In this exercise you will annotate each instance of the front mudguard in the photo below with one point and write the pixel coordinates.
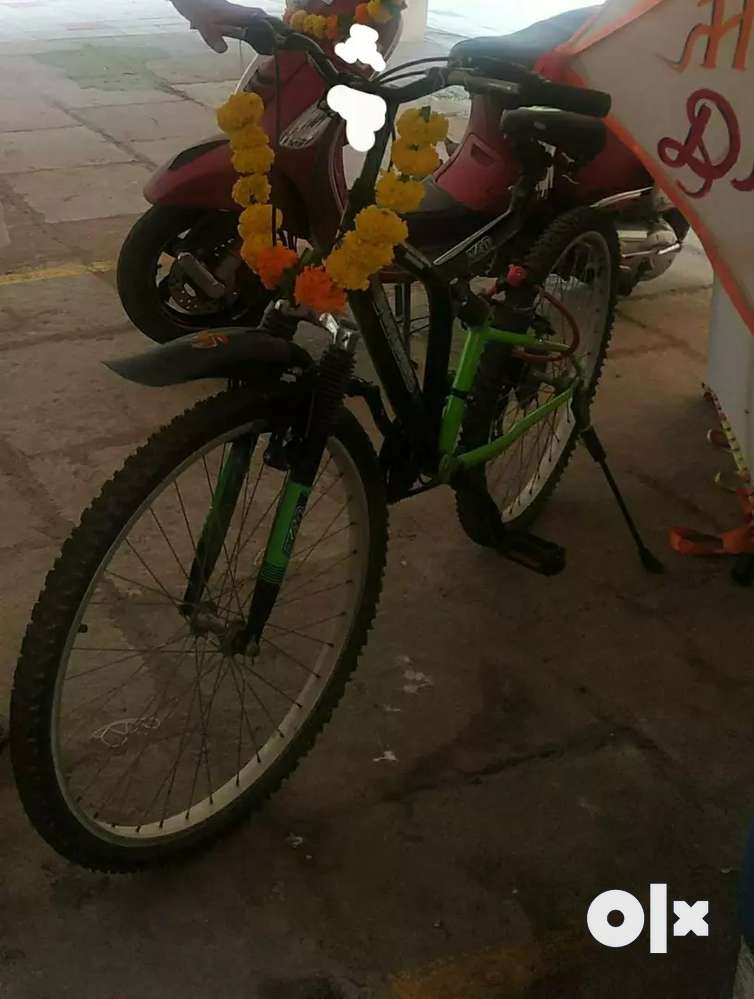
(233, 353)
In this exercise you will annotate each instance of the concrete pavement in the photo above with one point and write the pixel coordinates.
(567, 736)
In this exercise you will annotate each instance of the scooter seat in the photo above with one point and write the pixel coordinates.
(522, 47)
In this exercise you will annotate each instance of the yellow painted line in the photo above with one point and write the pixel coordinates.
(501, 972)
(56, 273)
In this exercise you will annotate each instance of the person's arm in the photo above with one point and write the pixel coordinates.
(213, 18)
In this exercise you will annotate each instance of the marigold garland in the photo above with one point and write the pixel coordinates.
(337, 27)
(317, 284)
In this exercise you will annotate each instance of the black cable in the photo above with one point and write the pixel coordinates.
(403, 76)
(405, 65)
(278, 129)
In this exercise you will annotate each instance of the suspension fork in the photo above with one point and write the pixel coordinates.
(230, 481)
(334, 376)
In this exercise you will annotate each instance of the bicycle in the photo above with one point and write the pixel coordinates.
(216, 595)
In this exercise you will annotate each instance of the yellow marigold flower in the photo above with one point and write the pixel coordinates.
(252, 246)
(345, 272)
(420, 128)
(379, 12)
(378, 225)
(369, 257)
(257, 160)
(315, 25)
(248, 137)
(398, 194)
(254, 220)
(239, 110)
(255, 187)
(298, 20)
(417, 163)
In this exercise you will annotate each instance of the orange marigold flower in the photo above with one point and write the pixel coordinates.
(316, 290)
(252, 246)
(272, 263)
(361, 14)
(333, 28)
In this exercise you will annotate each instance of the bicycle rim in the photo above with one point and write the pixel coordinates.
(166, 730)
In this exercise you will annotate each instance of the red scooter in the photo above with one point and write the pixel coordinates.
(180, 269)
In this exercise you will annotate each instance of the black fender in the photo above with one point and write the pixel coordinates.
(235, 352)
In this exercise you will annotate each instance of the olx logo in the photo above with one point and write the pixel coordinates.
(627, 927)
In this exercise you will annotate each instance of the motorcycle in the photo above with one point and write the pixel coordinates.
(180, 268)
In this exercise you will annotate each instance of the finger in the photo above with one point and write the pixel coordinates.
(214, 39)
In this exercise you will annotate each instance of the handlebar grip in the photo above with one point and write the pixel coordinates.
(436, 79)
(594, 103)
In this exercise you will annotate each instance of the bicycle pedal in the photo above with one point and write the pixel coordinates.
(544, 557)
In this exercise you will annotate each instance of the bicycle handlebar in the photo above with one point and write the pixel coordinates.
(267, 34)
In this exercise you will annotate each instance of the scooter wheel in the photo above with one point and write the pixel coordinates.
(144, 267)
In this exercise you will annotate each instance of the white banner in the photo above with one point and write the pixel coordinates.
(681, 74)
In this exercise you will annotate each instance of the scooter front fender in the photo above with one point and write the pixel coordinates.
(201, 176)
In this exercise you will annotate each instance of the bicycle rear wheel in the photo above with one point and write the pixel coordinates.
(135, 734)
(575, 263)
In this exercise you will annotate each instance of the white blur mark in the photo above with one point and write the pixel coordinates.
(364, 114)
(294, 841)
(416, 681)
(390, 710)
(361, 46)
(387, 757)
(116, 733)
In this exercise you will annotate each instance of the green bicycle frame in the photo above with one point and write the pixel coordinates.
(292, 503)
(477, 339)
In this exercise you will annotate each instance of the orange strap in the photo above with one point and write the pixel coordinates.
(739, 541)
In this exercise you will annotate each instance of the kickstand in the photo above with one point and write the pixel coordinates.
(598, 453)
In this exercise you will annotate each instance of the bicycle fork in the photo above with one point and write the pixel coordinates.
(335, 371)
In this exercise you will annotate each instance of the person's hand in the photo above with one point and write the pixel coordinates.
(212, 19)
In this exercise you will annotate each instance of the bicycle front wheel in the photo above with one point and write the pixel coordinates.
(135, 735)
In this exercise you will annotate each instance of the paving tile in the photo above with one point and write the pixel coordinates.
(84, 192)
(56, 148)
(204, 66)
(29, 570)
(159, 151)
(52, 418)
(682, 316)
(152, 121)
(78, 306)
(210, 94)
(20, 527)
(72, 95)
(31, 114)
(99, 239)
(31, 246)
